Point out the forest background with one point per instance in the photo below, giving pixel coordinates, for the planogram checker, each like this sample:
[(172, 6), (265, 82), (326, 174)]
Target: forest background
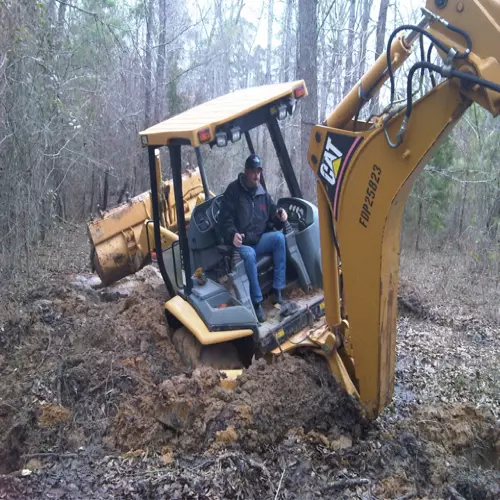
[(79, 79)]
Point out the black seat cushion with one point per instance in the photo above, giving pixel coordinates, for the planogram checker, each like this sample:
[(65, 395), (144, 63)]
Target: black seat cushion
[(264, 262), (225, 250)]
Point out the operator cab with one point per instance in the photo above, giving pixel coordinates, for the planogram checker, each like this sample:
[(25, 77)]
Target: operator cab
[(206, 279)]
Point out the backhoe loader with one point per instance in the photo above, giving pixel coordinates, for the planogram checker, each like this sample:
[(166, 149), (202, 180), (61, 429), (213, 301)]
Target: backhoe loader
[(343, 255)]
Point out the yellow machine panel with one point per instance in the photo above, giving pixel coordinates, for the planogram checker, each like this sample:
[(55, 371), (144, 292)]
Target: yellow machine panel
[(221, 110)]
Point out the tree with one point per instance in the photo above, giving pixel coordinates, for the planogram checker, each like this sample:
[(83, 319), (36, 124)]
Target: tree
[(79, 80), (148, 77), (286, 62), (349, 71), (269, 54), (160, 63), (364, 34), (307, 70), (431, 194), (380, 40)]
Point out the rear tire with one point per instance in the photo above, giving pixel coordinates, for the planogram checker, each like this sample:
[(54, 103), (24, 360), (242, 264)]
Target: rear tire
[(93, 258), (223, 356)]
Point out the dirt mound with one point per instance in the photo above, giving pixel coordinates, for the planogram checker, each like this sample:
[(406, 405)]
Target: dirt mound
[(70, 354), (463, 431), (410, 300), (386, 462), (96, 369), (450, 449), (189, 413)]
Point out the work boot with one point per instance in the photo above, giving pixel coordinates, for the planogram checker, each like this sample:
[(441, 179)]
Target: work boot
[(277, 297), (259, 312)]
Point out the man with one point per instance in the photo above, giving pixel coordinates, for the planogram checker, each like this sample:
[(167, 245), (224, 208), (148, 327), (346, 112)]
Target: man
[(247, 215)]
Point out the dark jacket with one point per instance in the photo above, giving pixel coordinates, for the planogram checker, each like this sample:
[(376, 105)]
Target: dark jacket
[(251, 212)]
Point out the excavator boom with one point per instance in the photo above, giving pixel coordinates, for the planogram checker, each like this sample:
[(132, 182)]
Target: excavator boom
[(365, 172)]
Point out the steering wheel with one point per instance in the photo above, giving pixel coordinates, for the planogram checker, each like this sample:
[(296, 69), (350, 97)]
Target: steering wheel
[(215, 209), (295, 218)]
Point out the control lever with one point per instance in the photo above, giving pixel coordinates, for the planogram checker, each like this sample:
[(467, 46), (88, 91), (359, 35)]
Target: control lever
[(287, 228), (236, 257)]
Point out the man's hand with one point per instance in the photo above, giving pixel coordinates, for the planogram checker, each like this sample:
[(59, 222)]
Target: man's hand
[(282, 215), (238, 239)]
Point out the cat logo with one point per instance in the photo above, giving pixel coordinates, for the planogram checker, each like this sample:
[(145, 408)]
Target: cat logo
[(330, 164), (338, 150)]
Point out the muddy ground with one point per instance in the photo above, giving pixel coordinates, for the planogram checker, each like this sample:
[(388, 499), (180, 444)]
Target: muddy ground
[(96, 403)]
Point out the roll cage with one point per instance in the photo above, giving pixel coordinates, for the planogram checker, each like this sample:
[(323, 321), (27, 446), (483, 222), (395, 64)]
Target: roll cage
[(216, 123)]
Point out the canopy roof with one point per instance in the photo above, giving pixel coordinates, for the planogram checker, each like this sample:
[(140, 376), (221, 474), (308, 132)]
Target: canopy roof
[(217, 112)]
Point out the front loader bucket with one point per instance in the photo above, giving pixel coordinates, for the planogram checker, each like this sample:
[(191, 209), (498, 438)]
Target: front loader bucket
[(119, 238)]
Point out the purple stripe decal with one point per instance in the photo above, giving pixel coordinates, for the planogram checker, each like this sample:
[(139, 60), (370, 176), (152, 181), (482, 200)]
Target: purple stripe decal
[(343, 168)]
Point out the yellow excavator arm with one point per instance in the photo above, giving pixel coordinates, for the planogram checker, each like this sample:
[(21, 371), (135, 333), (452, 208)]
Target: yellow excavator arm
[(365, 172)]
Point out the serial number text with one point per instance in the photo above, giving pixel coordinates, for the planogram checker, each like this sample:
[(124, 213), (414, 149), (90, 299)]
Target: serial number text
[(371, 191)]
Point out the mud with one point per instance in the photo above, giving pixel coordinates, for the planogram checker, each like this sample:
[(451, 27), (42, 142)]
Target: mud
[(69, 355), (193, 413), (95, 402)]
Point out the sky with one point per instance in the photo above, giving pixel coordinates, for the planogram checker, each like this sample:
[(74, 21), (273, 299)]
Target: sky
[(255, 11)]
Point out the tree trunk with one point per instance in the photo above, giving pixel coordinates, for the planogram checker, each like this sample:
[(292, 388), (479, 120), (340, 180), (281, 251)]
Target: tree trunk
[(381, 25), (269, 56), (419, 223), (287, 46), (92, 191), (61, 17), (492, 221), (348, 72), (365, 19), (268, 80), (160, 64), (148, 64), (462, 209), (325, 84), (105, 192), (380, 41), (307, 70), (51, 11)]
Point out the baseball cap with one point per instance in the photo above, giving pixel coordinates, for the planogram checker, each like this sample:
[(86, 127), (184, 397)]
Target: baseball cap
[(253, 161)]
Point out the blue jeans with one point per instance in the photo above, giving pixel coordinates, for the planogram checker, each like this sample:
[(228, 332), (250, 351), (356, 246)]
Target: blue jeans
[(269, 243)]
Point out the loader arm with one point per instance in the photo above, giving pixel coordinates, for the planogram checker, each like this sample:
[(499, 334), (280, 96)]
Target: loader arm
[(364, 183)]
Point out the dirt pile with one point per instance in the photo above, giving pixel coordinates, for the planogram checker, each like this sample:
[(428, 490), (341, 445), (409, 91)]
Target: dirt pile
[(69, 355), (447, 446), (463, 431), (96, 369), (387, 461), (193, 413)]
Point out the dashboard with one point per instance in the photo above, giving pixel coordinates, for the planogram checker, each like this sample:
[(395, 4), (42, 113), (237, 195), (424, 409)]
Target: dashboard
[(206, 215)]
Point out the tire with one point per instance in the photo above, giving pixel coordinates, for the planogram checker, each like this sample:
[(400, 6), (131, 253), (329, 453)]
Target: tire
[(93, 258), (188, 347), (222, 356)]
